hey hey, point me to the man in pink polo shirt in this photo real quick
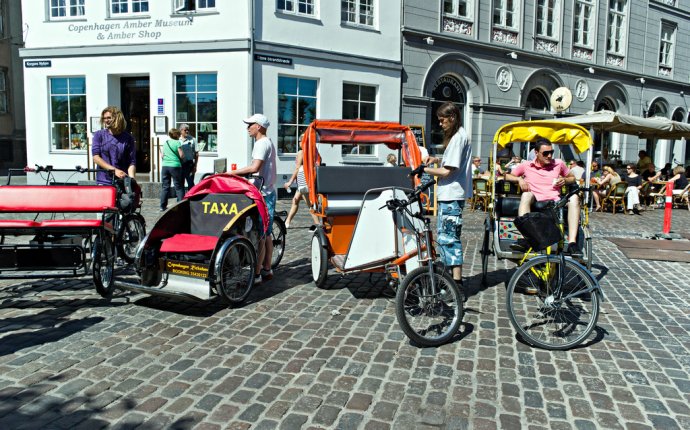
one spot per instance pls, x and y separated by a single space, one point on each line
541 180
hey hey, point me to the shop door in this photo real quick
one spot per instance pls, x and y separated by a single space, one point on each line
135 107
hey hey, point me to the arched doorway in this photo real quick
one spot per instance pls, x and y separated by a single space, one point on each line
446 89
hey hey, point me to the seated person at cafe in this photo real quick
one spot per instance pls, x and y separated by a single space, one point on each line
596 172
680 181
577 168
666 172
476 166
632 193
609 179
541 180
650 174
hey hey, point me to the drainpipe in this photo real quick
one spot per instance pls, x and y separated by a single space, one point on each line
250 102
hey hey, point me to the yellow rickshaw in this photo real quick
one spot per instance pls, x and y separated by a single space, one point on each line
500 232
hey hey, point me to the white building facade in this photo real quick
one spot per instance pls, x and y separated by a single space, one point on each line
207 63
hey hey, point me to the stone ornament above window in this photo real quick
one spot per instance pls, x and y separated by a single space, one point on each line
665 71
505 36
614 60
581 90
584 54
454 25
504 78
547 45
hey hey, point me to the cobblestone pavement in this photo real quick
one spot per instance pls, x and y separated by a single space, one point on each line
299 357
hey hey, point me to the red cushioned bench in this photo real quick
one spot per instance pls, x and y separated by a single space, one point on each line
53 243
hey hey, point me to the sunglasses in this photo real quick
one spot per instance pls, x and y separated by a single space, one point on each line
547 153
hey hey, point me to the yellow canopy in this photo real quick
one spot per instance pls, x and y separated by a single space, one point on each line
555 131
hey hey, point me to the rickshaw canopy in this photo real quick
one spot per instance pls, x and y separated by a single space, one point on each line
225 183
557 132
355 132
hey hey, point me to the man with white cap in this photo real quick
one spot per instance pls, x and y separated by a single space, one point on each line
264 164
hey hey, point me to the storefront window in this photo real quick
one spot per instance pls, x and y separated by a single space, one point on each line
296 110
3 91
118 7
194 5
68 113
196 104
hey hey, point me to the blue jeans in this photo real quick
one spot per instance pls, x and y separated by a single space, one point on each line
174 173
449 229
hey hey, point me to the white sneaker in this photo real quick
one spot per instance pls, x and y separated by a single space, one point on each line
257 280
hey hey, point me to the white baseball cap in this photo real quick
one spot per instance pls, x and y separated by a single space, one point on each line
257 118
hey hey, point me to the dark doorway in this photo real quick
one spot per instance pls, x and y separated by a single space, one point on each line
135 107
446 89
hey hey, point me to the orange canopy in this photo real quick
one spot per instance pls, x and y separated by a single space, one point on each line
354 132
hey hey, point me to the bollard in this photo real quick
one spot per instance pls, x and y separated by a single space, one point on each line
669 208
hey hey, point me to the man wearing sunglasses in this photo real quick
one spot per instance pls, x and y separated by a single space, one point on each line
541 180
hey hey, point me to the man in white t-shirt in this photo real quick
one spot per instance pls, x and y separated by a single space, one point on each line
264 164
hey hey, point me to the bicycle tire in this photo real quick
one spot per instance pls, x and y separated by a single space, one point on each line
551 318
278 235
319 260
236 277
426 319
103 265
132 232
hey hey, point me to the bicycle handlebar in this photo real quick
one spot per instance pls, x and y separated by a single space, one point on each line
397 204
564 200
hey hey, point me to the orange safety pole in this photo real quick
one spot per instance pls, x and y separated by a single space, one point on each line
669 208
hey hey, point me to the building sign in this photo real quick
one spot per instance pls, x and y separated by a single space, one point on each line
161 107
136 30
38 63
273 59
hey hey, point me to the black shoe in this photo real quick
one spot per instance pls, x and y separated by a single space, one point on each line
636 211
520 245
573 250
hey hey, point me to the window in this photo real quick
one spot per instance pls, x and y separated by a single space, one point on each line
194 5
547 18
668 37
296 110
66 8
128 6
2 18
615 43
459 8
359 102
506 13
196 104
583 23
300 7
3 92
358 12
68 113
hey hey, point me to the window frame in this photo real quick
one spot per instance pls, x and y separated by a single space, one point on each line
181 7
504 11
622 28
69 122
300 127
592 21
194 125
670 43
130 8
555 23
357 14
372 149
79 5
295 10
469 5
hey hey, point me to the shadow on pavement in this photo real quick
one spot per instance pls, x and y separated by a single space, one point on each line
53 332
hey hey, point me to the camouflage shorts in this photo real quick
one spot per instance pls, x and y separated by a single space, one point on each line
449 230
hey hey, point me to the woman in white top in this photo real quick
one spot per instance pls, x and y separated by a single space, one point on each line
608 179
302 189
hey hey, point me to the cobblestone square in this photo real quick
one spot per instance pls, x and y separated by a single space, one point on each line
295 356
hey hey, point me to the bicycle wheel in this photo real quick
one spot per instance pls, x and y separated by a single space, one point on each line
319 260
562 313
132 231
103 264
278 237
429 315
237 271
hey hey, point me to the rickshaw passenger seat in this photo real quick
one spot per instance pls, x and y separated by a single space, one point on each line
345 186
509 206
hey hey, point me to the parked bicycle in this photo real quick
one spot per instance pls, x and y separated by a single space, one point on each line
428 302
565 308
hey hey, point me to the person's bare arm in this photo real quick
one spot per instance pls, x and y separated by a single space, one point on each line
254 167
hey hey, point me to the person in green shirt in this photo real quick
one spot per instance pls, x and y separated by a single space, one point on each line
171 168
